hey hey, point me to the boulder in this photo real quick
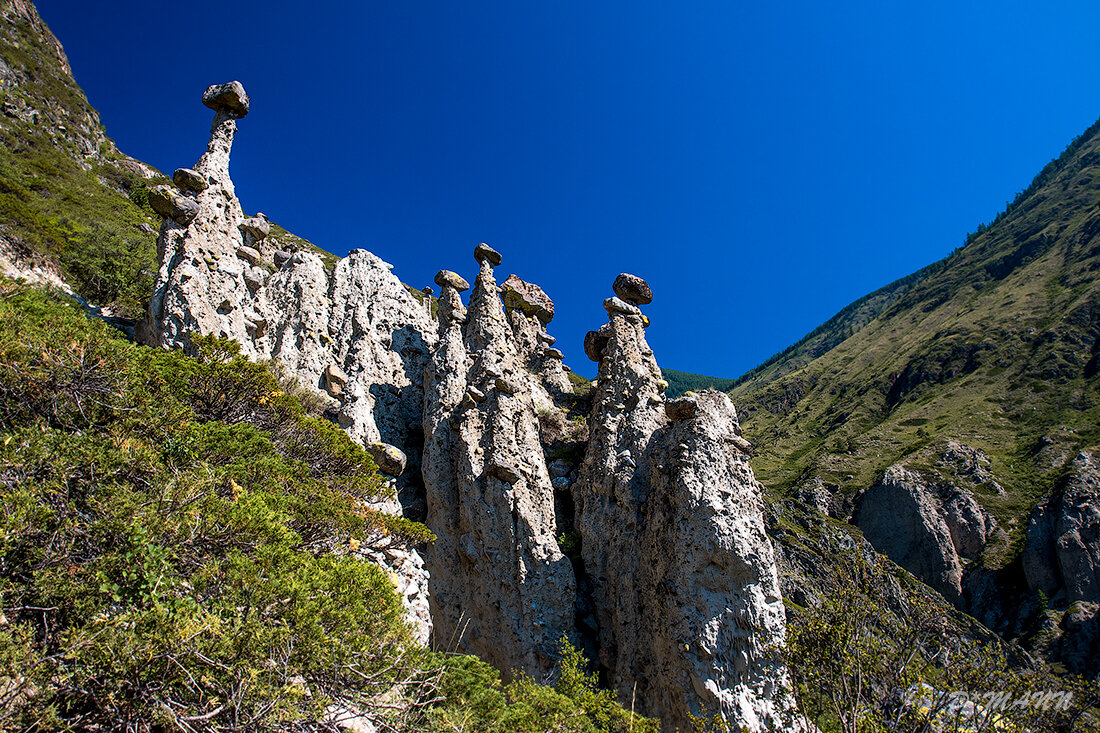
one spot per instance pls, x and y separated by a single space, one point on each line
282 257
1061 555
527 298
189 180
390 459
681 408
617 305
632 289
595 343
170 204
903 519
335 380
250 255
485 253
256 227
443 278
228 98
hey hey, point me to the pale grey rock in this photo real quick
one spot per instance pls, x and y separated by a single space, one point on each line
500 587
281 257
1061 554
632 289
254 278
683 579
617 305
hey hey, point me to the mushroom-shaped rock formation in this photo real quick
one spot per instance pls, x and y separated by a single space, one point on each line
228 98
632 289
661 505
355 314
485 253
445 278
189 180
528 298
500 586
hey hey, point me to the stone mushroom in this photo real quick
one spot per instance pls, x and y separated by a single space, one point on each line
632 289
228 98
485 253
445 278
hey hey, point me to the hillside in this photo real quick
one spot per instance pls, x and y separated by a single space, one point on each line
996 346
70 201
680 382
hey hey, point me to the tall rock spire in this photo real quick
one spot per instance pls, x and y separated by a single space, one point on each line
500 586
353 334
684 580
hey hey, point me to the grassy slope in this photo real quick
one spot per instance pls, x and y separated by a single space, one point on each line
995 346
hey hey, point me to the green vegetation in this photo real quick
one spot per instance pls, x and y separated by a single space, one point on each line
680 382
179 548
860 664
60 201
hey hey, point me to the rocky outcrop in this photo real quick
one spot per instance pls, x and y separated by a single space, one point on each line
500 587
354 335
680 600
682 576
1061 554
928 528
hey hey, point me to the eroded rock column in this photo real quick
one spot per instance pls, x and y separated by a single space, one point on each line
500 588
684 580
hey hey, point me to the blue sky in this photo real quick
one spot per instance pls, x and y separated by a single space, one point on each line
761 165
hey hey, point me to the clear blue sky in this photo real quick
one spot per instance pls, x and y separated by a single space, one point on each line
761 164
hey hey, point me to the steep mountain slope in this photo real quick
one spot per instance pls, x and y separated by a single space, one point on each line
71 204
993 346
680 382
952 415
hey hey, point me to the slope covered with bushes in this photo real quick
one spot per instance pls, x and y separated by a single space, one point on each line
179 549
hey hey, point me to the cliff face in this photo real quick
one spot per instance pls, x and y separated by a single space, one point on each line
680 601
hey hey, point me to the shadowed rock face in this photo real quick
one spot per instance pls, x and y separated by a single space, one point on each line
1062 551
684 580
927 529
500 586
